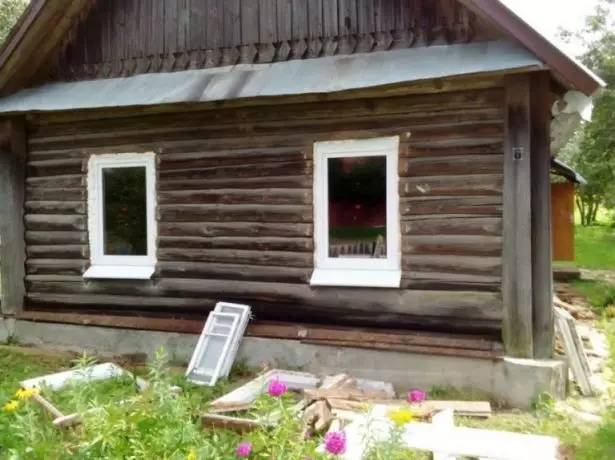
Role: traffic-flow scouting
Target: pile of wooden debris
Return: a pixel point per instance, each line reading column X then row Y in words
column 363, row 408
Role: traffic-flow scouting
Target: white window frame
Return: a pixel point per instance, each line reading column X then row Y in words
column 356, row 272
column 120, row 267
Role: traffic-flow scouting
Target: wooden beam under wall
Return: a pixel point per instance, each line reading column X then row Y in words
column 12, row 234
column 517, row 330
column 542, row 270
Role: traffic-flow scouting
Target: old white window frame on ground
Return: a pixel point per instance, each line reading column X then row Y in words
column 356, row 272
column 120, row 267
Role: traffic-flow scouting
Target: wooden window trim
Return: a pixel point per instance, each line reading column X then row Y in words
column 120, row 267
column 384, row 273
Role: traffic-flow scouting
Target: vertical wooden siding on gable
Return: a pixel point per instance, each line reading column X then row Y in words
column 235, row 211
column 126, row 37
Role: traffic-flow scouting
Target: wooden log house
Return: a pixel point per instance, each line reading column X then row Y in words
column 357, row 163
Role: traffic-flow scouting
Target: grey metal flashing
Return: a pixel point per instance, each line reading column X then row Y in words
column 559, row 168
column 309, row 76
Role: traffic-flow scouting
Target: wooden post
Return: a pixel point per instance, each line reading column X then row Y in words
column 517, row 331
column 542, row 270
column 12, row 235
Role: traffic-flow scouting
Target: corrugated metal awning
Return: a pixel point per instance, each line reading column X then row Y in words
column 559, row 168
column 309, row 76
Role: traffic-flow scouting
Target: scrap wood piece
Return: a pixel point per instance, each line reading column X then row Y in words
column 575, row 351
column 347, row 394
column 243, row 397
column 479, row 409
column 318, row 415
column 343, row 381
column 442, row 438
column 239, row 425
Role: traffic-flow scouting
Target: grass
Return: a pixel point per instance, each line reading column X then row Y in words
column 595, row 247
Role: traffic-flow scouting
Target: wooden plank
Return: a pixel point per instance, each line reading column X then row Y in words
column 575, row 351
column 365, row 16
column 453, row 245
column 285, row 20
column 300, row 19
column 542, row 270
column 347, row 17
column 315, row 19
column 243, row 397
column 214, row 24
column 239, row 425
column 267, row 13
column 171, row 26
column 441, row 225
column 517, row 239
column 12, row 191
column 330, row 20
column 249, row 22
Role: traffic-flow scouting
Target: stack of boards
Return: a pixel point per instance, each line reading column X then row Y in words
column 217, row 347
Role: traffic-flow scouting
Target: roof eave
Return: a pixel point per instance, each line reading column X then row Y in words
column 575, row 73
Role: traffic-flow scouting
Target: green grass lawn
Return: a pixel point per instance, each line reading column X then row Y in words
column 595, row 247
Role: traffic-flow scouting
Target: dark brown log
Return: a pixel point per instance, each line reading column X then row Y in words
column 454, row 226
column 234, row 229
column 471, row 185
column 64, row 251
column 121, row 301
column 55, row 194
column 479, row 306
column 217, row 159
column 13, row 153
column 470, row 265
column 293, row 168
column 434, row 351
column 54, row 167
column 542, row 270
column 273, row 330
column 56, row 207
column 227, row 256
column 475, row 206
column 225, row 196
column 42, row 238
column 254, row 183
column 208, row 270
column 453, row 245
column 517, row 234
column 239, row 243
column 235, row 213
column 76, row 181
column 457, row 165
column 57, row 223
column 496, row 148
column 56, row 267
column 421, row 104
column 492, row 132
column 460, row 286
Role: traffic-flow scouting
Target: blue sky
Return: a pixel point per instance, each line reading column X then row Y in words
column 548, row 15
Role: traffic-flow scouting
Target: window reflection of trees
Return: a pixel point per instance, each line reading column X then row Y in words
column 125, row 211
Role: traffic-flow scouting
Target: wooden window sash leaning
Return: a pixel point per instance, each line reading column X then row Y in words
column 356, row 271
column 114, row 266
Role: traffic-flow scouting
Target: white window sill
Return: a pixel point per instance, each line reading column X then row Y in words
column 356, row 278
column 120, row 272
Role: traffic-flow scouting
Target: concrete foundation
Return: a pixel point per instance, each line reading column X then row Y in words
column 513, row 382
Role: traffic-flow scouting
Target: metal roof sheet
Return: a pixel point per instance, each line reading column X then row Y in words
column 323, row 75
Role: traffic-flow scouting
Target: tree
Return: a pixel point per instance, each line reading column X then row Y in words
column 592, row 151
column 10, row 10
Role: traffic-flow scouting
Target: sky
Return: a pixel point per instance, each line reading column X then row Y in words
column 548, row 15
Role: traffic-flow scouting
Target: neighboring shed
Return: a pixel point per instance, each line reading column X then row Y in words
column 159, row 156
column 562, row 210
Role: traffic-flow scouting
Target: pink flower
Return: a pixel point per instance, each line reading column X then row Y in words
column 416, row 396
column 243, row 449
column 335, row 442
column 276, row 388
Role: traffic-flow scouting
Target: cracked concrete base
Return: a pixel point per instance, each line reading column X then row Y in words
column 512, row 381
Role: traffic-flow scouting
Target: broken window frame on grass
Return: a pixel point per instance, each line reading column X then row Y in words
column 60, row 380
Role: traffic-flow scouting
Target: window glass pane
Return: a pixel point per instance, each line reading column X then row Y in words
column 357, row 207
column 125, row 211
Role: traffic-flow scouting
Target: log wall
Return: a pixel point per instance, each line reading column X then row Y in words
column 235, row 211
